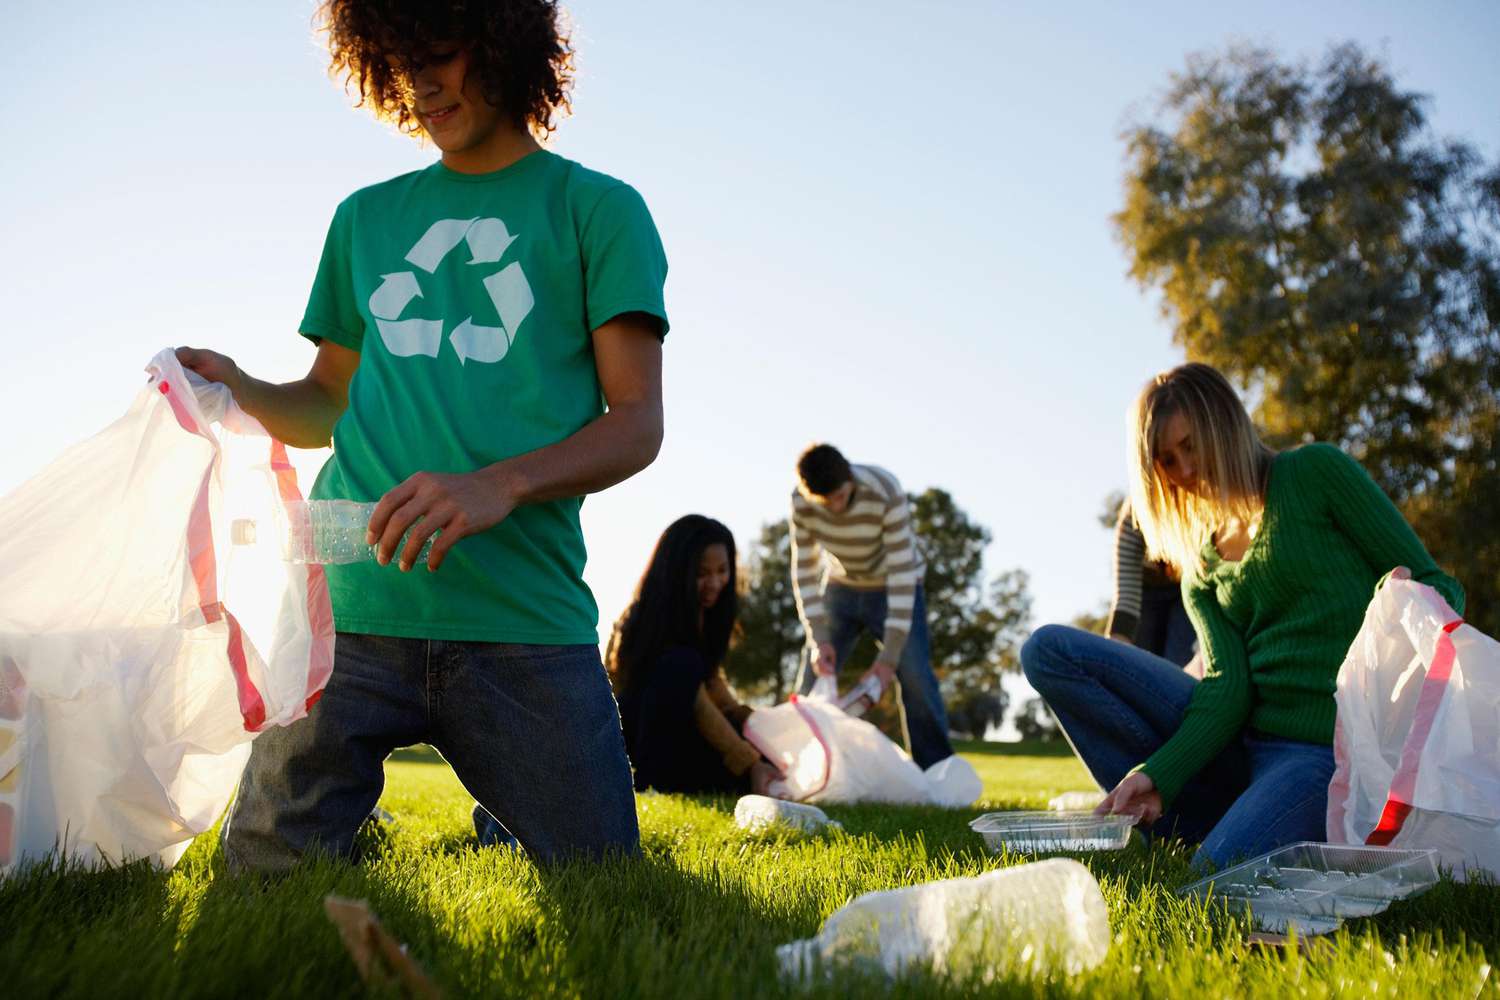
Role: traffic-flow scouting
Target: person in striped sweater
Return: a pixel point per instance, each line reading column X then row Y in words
column 1279, row 554
column 856, row 567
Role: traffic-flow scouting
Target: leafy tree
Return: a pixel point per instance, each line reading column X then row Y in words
column 1109, row 514
column 976, row 630
column 1035, row 722
column 766, row 655
column 1092, row 621
column 972, row 714
column 1315, row 242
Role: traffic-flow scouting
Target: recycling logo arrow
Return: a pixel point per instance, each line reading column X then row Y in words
column 508, row 289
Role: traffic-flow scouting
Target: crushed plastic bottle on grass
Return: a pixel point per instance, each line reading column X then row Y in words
column 756, row 812
column 1042, row 919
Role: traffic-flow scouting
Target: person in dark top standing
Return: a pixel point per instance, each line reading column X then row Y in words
column 1147, row 608
column 682, row 723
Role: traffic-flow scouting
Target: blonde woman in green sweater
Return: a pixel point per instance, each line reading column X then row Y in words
column 1279, row 553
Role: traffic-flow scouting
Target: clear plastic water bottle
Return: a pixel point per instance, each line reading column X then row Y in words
column 1044, row 918
column 862, row 697
column 756, row 812
column 331, row 532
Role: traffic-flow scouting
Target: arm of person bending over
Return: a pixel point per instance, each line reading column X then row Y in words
column 720, row 733
column 807, row 592
column 719, row 717
column 723, row 698
column 300, row 413
column 1214, row 717
column 1362, row 511
column 620, row 443
column 1130, row 555
column 900, row 583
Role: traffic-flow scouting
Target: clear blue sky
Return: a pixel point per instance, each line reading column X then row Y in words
column 887, row 226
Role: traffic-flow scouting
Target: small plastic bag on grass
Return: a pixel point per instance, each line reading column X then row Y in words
column 827, row 755
column 147, row 630
column 1417, row 737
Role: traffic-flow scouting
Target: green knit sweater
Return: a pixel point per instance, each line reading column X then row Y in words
column 1276, row 625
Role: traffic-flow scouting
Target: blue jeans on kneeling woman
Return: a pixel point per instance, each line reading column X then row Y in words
column 1118, row 704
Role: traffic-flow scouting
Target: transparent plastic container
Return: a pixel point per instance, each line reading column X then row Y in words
column 1076, row 801
column 1044, row 918
column 756, row 812
column 329, row 532
column 1315, row 887
column 1044, row 831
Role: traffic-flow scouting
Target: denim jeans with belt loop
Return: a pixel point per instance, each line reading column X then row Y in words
column 531, row 731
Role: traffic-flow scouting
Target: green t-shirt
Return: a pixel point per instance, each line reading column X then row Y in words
column 471, row 298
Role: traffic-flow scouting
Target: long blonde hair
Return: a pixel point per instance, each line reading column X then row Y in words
column 1230, row 459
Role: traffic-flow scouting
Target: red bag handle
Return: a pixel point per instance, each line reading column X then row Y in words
column 1404, row 783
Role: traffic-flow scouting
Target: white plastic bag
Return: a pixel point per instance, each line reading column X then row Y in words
column 827, row 755
column 1417, row 740
column 148, row 627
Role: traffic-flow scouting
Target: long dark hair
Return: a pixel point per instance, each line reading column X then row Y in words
column 664, row 610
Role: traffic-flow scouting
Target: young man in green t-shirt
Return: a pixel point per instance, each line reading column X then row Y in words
column 471, row 320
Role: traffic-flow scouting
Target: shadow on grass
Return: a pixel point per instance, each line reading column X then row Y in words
column 637, row 925
column 497, row 924
column 43, row 908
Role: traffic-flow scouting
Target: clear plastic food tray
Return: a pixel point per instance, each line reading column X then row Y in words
column 1316, row 886
column 1039, row 832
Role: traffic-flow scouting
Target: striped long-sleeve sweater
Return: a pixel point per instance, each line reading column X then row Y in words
column 1133, row 573
column 870, row 546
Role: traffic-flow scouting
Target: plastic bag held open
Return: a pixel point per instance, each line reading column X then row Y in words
column 1417, row 741
column 827, row 755
column 149, row 627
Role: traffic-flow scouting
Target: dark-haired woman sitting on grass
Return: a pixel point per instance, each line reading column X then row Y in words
column 682, row 723
column 1279, row 554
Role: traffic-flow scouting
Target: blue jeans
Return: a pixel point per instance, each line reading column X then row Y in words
column 923, row 718
column 1118, row 704
column 531, row 731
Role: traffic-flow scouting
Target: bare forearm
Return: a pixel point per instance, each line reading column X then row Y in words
column 607, row 451
column 300, row 413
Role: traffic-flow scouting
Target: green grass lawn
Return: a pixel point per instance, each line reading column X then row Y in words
column 700, row 915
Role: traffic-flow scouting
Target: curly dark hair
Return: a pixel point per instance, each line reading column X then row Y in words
column 519, row 49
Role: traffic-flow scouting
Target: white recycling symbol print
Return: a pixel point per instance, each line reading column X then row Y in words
column 508, row 289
